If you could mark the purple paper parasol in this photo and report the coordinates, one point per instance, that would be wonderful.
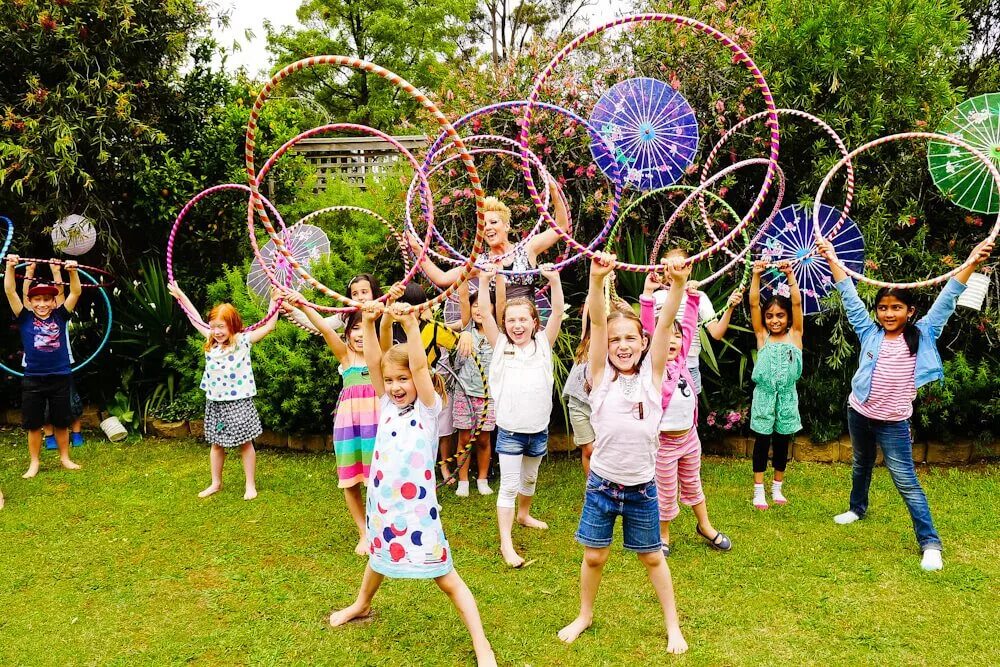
(791, 237)
(307, 243)
(653, 130)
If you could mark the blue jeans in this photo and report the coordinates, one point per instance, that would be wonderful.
(522, 444)
(897, 448)
(606, 501)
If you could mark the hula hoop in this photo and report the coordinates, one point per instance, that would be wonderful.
(62, 262)
(256, 201)
(104, 339)
(10, 235)
(884, 140)
(740, 56)
(427, 205)
(173, 235)
(849, 185)
(595, 134)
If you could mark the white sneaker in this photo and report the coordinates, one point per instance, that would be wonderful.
(846, 518)
(932, 560)
(462, 489)
(484, 487)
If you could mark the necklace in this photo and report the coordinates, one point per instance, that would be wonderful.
(630, 386)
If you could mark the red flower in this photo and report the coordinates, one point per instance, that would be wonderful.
(47, 22)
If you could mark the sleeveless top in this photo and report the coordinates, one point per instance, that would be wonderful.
(521, 381)
(517, 285)
(775, 406)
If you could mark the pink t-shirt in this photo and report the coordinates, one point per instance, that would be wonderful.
(893, 384)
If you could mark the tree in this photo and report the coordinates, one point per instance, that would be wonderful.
(507, 25)
(412, 38)
(84, 90)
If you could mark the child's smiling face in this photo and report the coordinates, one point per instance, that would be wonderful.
(399, 385)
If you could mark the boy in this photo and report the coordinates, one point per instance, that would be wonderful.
(47, 368)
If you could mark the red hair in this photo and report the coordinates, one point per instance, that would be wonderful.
(231, 317)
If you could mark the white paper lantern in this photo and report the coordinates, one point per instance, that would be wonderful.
(74, 235)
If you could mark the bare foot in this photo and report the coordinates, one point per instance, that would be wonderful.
(250, 494)
(1, 501)
(511, 558)
(212, 490)
(575, 629)
(446, 475)
(348, 614)
(69, 465)
(487, 659)
(529, 521)
(32, 470)
(675, 642)
(361, 548)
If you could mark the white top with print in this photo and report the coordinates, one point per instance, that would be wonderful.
(228, 374)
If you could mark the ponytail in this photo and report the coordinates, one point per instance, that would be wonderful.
(440, 387)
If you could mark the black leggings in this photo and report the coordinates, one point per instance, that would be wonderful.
(763, 443)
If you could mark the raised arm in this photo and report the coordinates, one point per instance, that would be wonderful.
(75, 289)
(554, 324)
(465, 309)
(978, 256)
(600, 267)
(647, 302)
(753, 302)
(857, 312)
(419, 370)
(490, 327)
(267, 327)
(29, 278)
(718, 328)
(434, 273)
(658, 346)
(10, 285)
(946, 302)
(541, 242)
(57, 278)
(385, 324)
(322, 324)
(189, 309)
(825, 249)
(373, 351)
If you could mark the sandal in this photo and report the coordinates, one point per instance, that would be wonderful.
(720, 542)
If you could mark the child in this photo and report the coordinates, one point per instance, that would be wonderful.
(404, 524)
(521, 380)
(231, 418)
(47, 378)
(716, 325)
(678, 457)
(473, 341)
(774, 413)
(75, 404)
(356, 419)
(898, 356)
(627, 407)
(362, 288)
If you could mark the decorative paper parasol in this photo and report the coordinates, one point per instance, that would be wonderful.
(958, 174)
(307, 243)
(791, 237)
(652, 128)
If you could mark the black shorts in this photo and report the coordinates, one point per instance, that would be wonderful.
(41, 394)
(75, 403)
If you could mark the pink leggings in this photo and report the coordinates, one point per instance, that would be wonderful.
(678, 459)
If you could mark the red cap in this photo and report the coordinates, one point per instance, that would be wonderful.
(42, 290)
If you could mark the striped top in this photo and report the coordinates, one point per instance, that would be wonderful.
(893, 384)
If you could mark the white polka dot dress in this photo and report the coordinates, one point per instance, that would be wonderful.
(402, 513)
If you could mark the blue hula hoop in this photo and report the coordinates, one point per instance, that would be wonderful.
(10, 235)
(107, 330)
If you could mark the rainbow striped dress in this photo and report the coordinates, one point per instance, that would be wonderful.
(354, 426)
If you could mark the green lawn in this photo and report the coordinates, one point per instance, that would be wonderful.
(121, 563)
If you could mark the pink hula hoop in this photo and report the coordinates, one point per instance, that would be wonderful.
(256, 201)
(884, 140)
(740, 56)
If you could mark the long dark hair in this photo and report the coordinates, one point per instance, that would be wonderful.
(910, 332)
(782, 302)
(372, 281)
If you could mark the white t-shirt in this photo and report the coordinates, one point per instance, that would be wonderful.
(521, 382)
(679, 415)
(706, 313)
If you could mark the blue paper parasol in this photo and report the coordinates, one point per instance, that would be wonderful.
(652, 129)
(790, 236)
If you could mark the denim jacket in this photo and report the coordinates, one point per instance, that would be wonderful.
(871, 335)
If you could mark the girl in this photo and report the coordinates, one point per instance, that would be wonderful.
(576, 391)
(521, 380)
(678, 457)
(363, 288)
(404, 526)
(898, 356)
(627, 407)
(231, 419)
(774, 412)
(356, 418)
(473, 341)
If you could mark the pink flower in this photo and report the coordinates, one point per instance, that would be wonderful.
(720, 106)
(710, 419)
(445, 200)
(569, 131)
(591, 170)
(720, 5)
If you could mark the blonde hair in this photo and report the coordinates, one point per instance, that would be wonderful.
(494, 205)
(399, 357)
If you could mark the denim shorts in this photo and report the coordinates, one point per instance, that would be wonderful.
(517, 444)
(637, 507)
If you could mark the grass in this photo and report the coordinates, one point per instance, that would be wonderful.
(121, 564)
